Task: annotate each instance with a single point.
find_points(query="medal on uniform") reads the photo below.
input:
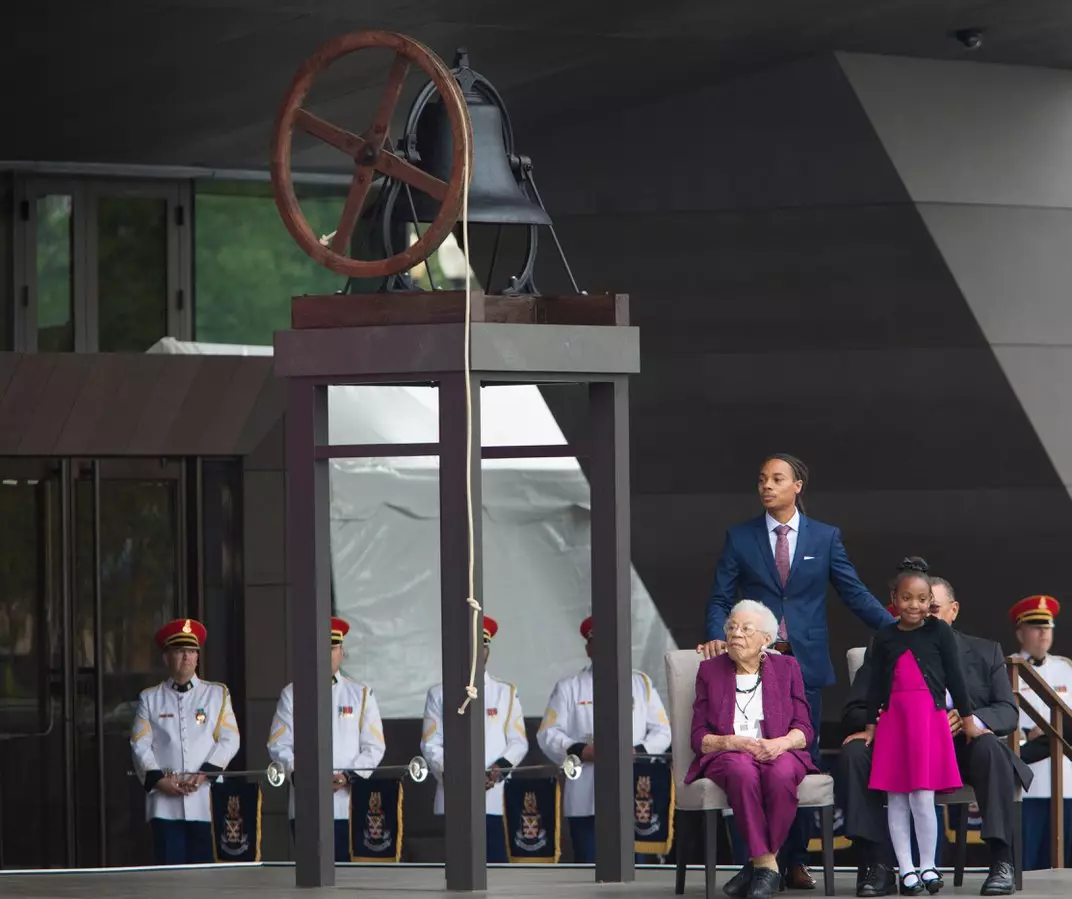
(346, 711)
(492, 712)
(200, 717)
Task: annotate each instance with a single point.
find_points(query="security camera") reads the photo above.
(971, 38)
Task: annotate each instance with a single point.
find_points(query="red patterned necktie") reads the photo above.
(781, 562)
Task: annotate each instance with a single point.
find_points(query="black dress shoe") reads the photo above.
(765, 883)
(933, 884)
(875, 880)
(917, 885)
(1001, 881)
(737, 886)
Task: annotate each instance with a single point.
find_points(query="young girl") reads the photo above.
(914, 662)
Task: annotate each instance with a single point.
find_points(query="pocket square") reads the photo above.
(808, 558)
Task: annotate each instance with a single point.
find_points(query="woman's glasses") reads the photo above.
(745, 630)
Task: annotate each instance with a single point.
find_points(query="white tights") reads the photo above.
(903, 810)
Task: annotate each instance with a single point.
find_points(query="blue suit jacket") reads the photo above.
(746, 571)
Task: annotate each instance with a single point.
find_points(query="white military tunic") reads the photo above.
(181, 731)
(1057, 672)
(504, 736)
(569, 720)
(356, 741)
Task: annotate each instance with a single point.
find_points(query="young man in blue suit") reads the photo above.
(785, 561)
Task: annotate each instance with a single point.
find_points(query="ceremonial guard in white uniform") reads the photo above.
(357, 737)
(567, 728)
(505, 745)
(184, 732)
(1034, 620)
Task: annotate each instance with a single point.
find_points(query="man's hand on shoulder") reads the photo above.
(712, 648)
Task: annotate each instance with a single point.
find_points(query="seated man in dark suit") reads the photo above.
(986, 763)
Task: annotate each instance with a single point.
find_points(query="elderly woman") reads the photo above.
(750, 728)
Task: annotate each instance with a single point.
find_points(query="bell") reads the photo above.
(495, 197)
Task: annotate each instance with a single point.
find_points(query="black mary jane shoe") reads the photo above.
(916, 888)
(933, 884)
(765, 883)
(737, 886)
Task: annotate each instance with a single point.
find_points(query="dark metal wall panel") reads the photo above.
(200, 421)
(54, 405)
(263, 422)
(171, 383)
(134, 405)
(247, 384)
(21, 397)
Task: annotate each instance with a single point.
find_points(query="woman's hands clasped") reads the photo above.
(762, 750)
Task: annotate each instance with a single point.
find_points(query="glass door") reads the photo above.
(127, 520)
(93, 551)
(102, 265)
(52, 315)
(33, 757)
(138, 252)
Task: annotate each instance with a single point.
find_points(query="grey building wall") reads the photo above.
(984, 151)
(792, 297)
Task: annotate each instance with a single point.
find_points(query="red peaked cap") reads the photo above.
(1038, 610)
(183, 633)
(586, 628)
(339, 629)
(491, 628)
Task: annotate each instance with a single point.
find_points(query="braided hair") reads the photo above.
(799, 469)
(910, 567)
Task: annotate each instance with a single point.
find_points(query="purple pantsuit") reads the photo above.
(763, 795)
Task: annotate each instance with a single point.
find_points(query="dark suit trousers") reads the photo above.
(984, 765)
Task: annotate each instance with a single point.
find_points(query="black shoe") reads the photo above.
(874, 880)
(765, 883)
(737, 886)
(913, 890)
(932, 884)
(1001, 881)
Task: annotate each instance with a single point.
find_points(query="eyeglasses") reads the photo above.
(745, 630)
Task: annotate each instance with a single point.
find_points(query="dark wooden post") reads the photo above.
(309, 576)
(463, 735)
(612, 611)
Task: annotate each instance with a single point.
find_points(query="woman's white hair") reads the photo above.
(768, 624)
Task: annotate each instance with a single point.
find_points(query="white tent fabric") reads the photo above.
(385, 546)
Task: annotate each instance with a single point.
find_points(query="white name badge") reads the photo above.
(749, 728)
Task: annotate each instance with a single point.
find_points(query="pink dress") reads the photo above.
(913, 748)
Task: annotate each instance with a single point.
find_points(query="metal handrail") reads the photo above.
(1059, 748)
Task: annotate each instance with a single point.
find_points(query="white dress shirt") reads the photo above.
(504, 736)
(569, 720)
(356, 735)
(794, 532)
(748, 707)
(180, 731)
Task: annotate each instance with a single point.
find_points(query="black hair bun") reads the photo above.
(914, 563)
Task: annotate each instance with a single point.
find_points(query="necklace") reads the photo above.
(750, 692)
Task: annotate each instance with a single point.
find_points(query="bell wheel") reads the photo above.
(371, 154)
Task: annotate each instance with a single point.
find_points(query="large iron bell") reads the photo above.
(495, 196)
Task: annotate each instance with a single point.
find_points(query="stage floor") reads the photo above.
(525, 883)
